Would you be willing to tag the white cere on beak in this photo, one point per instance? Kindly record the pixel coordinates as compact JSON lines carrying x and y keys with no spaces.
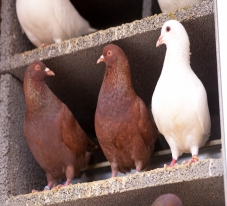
{"x":47,"y":69}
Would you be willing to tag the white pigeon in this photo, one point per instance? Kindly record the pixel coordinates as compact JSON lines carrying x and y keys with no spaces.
{"x":179,"y":103}
{"x":172,"y":5}
{"x":50,"y":21}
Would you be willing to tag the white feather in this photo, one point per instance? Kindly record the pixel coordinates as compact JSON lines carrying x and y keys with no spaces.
{"x":50,"y":21}
{"x":179,"y":102}
{"x":172,"y":5}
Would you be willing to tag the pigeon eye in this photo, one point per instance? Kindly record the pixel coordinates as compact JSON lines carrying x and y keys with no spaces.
{"x":167,"y":28}
{"x":37,"y":67}
{"x":109,"y":53}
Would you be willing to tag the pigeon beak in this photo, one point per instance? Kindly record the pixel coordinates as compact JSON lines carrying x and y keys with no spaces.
{"x":49,"y":72}
{"x":160,"y":41}
{"x":101,"y":59}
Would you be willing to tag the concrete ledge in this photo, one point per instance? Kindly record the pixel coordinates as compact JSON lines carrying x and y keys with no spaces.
{"x":197,"y":184}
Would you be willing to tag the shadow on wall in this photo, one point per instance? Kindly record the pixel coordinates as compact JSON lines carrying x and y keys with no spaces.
{"x":114,"y":13}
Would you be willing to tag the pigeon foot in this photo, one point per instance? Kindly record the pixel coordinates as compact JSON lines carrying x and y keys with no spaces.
{"x":193,"y":159}
{"x":43,"y":45}
{"x":173,"y":163}
{"x":46,"y":188}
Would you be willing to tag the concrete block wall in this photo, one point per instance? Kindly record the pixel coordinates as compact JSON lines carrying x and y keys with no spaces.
{"x":77,"y":83}
{"x":12,"y":40}
{"x":19,"y":171}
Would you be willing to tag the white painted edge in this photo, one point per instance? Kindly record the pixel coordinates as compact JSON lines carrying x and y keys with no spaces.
{"x":221,"y":45}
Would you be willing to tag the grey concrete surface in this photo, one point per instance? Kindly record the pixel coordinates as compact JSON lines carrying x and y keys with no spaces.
{"x":199,"y":184}
{"x":12,"y":39}
{"x":19,"y":171}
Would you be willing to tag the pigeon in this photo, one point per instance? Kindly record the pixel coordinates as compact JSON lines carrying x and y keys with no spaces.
{"x":123,"y":126}
{"x":172,"y":5}
{"x":167,"y":200}
{"x":55,"y":138}
{"x":50,"y":21}
{"x":179,"y":102}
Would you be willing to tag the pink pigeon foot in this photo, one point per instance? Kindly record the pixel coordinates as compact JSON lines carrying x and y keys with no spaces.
{"x":114,"y":174}
{"x":46,"y":188}
{"x":173,"y":163}
{"x":193,"y":159}
{"x":43,"y":45}
{"x":63,"y":185}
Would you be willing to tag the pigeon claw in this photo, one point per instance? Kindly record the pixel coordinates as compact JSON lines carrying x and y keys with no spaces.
{"x":169,"y":166}
{"x":193,"y":159}
{"x":59,"y":186}
{"x":43,"y":45}
{"x":173,"y":163}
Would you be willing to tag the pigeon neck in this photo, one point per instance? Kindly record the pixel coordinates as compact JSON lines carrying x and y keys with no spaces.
{"x":118,"y":79}
{"x":116,"y":92}
{"x":37,"y":95}
{"x":178,"y":52}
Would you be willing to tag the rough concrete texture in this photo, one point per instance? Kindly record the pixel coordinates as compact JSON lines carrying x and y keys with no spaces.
{"x":19,"y":171}
{"x":198,"y":184}
{"x":12,"y":40}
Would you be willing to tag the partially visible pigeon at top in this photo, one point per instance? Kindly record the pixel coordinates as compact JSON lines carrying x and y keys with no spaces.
{"x":167,"y":200}
{"x":172,"y":5}
{"x":47,"y":22}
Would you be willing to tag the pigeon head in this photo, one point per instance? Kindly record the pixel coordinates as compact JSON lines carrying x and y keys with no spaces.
{"x":117,"y":72}
{"x":172,"y":34}
{"x":167,"y":199}
{"x":38,"y":71}
{"x":111,"y":54}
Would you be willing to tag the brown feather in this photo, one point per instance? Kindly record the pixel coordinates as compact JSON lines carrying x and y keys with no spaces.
{"x":55,"y":138}
{"x":122,"y":123}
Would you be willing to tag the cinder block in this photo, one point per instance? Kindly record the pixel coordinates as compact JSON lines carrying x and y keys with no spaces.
{"x":12,"y":39}
{"x":77,"y":83}
{"x":19,"y":171}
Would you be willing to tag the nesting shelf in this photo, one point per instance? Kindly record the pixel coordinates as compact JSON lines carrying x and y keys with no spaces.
{"x":198,"y":184}
{"x":77,"y":83}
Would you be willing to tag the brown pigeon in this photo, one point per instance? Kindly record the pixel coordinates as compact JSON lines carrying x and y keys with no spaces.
{"x":167,"y":200}
{"x":54,"y":137}
{"x":123,"y":126}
